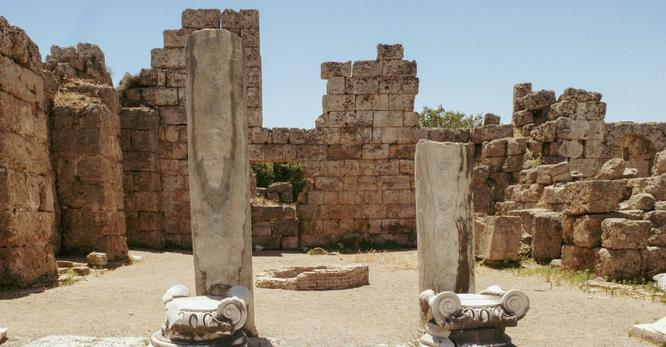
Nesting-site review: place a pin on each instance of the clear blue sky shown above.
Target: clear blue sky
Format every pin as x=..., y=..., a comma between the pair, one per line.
x=469, y=53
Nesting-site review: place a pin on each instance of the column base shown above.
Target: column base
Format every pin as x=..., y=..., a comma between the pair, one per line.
x=238, y=339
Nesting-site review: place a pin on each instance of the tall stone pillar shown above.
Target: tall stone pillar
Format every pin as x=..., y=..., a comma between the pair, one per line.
x=444, y=217
x=218, y=164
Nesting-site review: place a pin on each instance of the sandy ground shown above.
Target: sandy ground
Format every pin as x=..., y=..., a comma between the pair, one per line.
x=126, y=302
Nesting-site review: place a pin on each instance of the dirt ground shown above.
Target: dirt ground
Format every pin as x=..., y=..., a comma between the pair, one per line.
x=126, y=302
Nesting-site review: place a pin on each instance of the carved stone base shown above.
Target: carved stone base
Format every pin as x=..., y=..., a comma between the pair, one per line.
x=236, y=340
x=481, y=337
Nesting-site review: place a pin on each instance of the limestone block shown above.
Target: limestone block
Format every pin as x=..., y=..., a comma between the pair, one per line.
x=537, y=100
x=336, y=85
x=587, y=230
x=492, y=132
x=578, y=258
x=361, y=85
x=579, y=95
x=201, y=19
x=494, y=148
x=544, y=132
x=335, y=69
x=389, y=52
x=218, y=162
x=655, y=261
x=611, y=170
x=546, y=236
x=401, y=102
x=659, y=166
x=525, y=192
x=176, y=38
x=519, y=91
x=553, y=195
x=158, y=96
x=491, y=119
x=620, y=233
x=444, y=216
x=97, y=259
x=516, y=145
x=366, y=68
x=640, y=201
x=371, y=102
x=399, y=68
x=590, y=111
x=655, y=186
x=167, y=58
x=618, y=263
x=571, y=149
x=596, y=196
x=500, y=239
x=522, y=118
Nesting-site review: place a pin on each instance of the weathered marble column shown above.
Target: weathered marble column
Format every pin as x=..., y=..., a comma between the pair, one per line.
x=444, y=217
x=218, y=164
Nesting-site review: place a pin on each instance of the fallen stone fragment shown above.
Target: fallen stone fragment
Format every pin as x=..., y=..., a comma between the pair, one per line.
x=3, y=334
x=611, y=170
x=81, y=270
x=537, y=100
x=659, y=166
x=640, y=201
x=630, y=173
x=595, y=196
x=660, y=280
x=653, y=332
x=97, y=259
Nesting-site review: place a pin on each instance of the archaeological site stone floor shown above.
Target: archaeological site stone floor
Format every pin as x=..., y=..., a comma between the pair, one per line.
x=125, y=302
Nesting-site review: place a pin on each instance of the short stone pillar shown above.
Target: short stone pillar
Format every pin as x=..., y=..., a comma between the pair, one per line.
x=218, y=164
x=444, y=217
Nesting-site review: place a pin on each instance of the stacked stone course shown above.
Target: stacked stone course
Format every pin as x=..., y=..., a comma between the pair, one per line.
x=87, y=158
x=28, y=216
x=159, y=204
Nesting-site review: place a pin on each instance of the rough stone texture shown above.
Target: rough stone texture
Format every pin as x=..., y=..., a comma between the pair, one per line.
x=611, y=170
x=640, y=201
x=142, y=183
x=578, y=258
x=618, y=263
x=28, y=233
x=546, y=236
x=659, y=166
x=594, y=196
x=315, y=278
x=85, y=136
x=444, y=217
x=655, y=261
x=164, y=164
x=274, y=227
x=88, y=341
x=219, y=176
x=500, y=239
x=620, y=233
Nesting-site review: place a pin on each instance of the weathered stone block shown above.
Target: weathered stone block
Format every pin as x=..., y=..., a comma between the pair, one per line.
x=618, y=263
x=620, y=233
x=578, y=258
x=586, y=197
x=201, y=19
x=500, y=239
x=366, y=68
x=537, y=100
x=546, y=236
x=389, y=52
x=335, y=69
x=399, y=68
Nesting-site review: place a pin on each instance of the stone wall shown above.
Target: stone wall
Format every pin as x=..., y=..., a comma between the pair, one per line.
x=141, y=176
x=160, y=214
x=274, y=226
x=85, y=135
x=27, y=209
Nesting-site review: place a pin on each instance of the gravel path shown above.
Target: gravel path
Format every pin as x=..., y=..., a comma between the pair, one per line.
x=126, y=302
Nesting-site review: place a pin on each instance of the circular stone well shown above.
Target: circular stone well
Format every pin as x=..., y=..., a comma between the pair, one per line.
x=322, y=277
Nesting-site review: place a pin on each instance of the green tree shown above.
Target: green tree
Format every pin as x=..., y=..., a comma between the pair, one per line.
x=267, y=173
x=440, y=118
x=264, y=174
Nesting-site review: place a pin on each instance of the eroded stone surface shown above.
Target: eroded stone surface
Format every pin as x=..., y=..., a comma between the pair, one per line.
x=323, y=277
x=444, y=216
x=218, y=162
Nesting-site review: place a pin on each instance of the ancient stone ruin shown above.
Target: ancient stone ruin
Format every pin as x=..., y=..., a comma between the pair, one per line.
x=62, y=166
x=323, y=277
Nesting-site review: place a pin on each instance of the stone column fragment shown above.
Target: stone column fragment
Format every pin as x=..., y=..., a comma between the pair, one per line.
x=218, y=163
x=444, y=217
